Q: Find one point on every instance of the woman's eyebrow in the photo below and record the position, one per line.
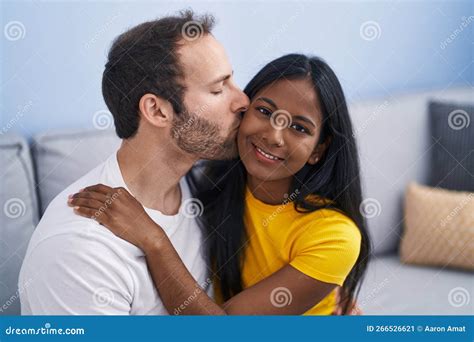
(296, 117)
(305, 119)
(269, 101)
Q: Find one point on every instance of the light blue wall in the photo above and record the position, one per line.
(50, 78)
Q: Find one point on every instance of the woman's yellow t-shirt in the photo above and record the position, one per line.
(323, 244)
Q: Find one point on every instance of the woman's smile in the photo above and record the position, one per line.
(264, 156)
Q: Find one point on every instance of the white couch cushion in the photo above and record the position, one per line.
(18, 216)
(393, 288)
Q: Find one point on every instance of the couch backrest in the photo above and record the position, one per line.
(64, 156)
(395, 146)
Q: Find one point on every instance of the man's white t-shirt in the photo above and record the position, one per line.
(73, 265)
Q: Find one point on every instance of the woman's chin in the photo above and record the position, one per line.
(257, 171)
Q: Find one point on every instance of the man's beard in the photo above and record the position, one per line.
(200, 137)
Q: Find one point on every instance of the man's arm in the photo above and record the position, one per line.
(70, 274)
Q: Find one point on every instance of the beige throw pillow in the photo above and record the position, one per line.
(439, 227)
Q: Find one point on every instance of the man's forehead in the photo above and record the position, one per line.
(204, 58)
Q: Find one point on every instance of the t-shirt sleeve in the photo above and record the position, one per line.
(73, 275)
(327, 249)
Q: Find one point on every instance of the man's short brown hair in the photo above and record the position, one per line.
(143, 60)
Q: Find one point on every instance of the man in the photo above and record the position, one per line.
(169, 86)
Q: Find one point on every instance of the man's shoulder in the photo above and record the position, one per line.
(61, 225)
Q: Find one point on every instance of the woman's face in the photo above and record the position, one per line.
(279, 132)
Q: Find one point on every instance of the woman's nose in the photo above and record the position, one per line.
(274, 137)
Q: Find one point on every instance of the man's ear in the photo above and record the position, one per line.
(156, 110)
(319, 151)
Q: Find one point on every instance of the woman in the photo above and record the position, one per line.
(285, 231)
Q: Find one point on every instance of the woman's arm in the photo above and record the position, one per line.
(285, 292)
(178, 289)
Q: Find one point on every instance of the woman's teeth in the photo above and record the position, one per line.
(269, 156)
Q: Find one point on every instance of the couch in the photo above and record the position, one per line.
(394, 147)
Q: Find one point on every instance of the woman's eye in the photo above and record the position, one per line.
(264, 111)
(299, 128)
(216, 92)
(296, 127)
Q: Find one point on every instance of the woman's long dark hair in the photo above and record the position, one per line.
(220, 185)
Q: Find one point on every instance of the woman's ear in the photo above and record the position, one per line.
(318, 152)
(157, 111)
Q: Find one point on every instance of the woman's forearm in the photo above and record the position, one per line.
(179, 291)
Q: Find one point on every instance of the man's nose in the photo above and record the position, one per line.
(241, 102)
